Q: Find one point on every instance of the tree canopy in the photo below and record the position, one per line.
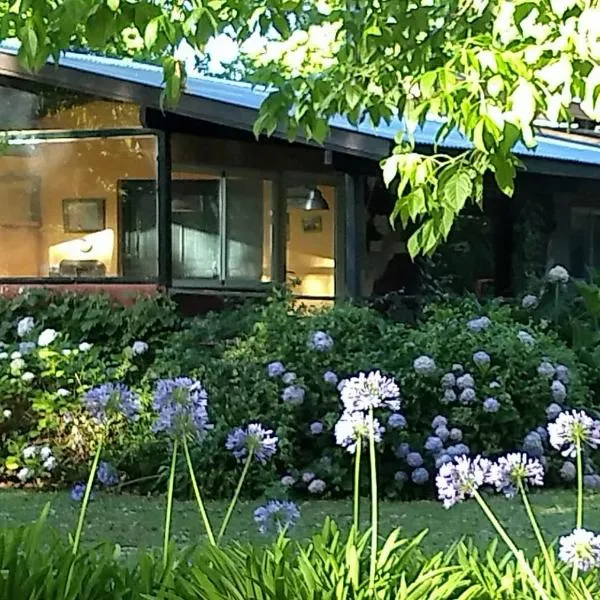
(487, 68)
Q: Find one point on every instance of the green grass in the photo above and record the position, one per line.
(134, 521)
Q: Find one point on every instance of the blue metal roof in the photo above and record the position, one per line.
(244, 95)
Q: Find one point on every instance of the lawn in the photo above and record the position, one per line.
(134, 521)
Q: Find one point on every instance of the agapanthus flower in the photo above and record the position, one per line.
(29, 452)
(580, 549)
(529, 301)
(456, 434)
(107, 475)
(513, 469)
(591, 481)
(308, 476)
(481, 358)
(289, 377)
(320, 341)
(254, 438)
(138, 348)
(78, 491)
(558, 274)
(25, 326)
(420, 476)
(372, 390)
(546, 369)
(424, 365)
(458, 480)
(111, 398)
(414, 460)
(479, 324)
(317, 486)
(448, 380)
(396, 421)
(559, 391)
(293, 394)
(401, 450)
(181, 405)
(465, 381)
(449, 397)
(434, 444)
(571, 428)
(467, 396)
(533, 444)
(287, 481)
(316, 427)
(458, 450)
(439, 421)
(47, 337)
(562, 374)
(275, 369)
(27, 347)
(568, 471)
(23, 474)
(330, 377)
(552, 411)
(526, 338)
(276, 515)
(442, 432)
(354, 426)
(400, 477)
(491, 405)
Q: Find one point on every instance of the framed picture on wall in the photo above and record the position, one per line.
(312, 224)
(83, 215)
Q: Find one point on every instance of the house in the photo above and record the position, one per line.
(99, 188)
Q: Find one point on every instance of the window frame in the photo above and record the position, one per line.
(161, 277)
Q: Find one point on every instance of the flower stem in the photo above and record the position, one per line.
(356, 506)
(556, 300)
(541, 541)
(236, 496)
(169, 510)
(201, 508)
(374, 503)
(86, 496)
(579, 485)
(518, 554)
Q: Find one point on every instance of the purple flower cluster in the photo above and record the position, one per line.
(254, 438)
(320, 341)
(276, 515)
(78, 491)
(107, 475)
(110, 399)
(181, 406)
(479, 324)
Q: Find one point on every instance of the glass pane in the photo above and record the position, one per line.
(70, 208)
(249, 219)
(27, 105)
(311, 245)
(195, 226)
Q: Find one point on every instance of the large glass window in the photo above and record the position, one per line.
(585, 241)
(78, 208)
(26, 105)
(310, 256)
(221, 226)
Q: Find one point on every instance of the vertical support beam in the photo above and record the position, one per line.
(279, 231)
(223, 233)
(339, 241)
(354, 190)
(163, 210)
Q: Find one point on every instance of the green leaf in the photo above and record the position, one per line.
(281, 25)
(113, 4)
(12, 463)
(390, 168)
(151, 33)
(456, 189)
(504, 174)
